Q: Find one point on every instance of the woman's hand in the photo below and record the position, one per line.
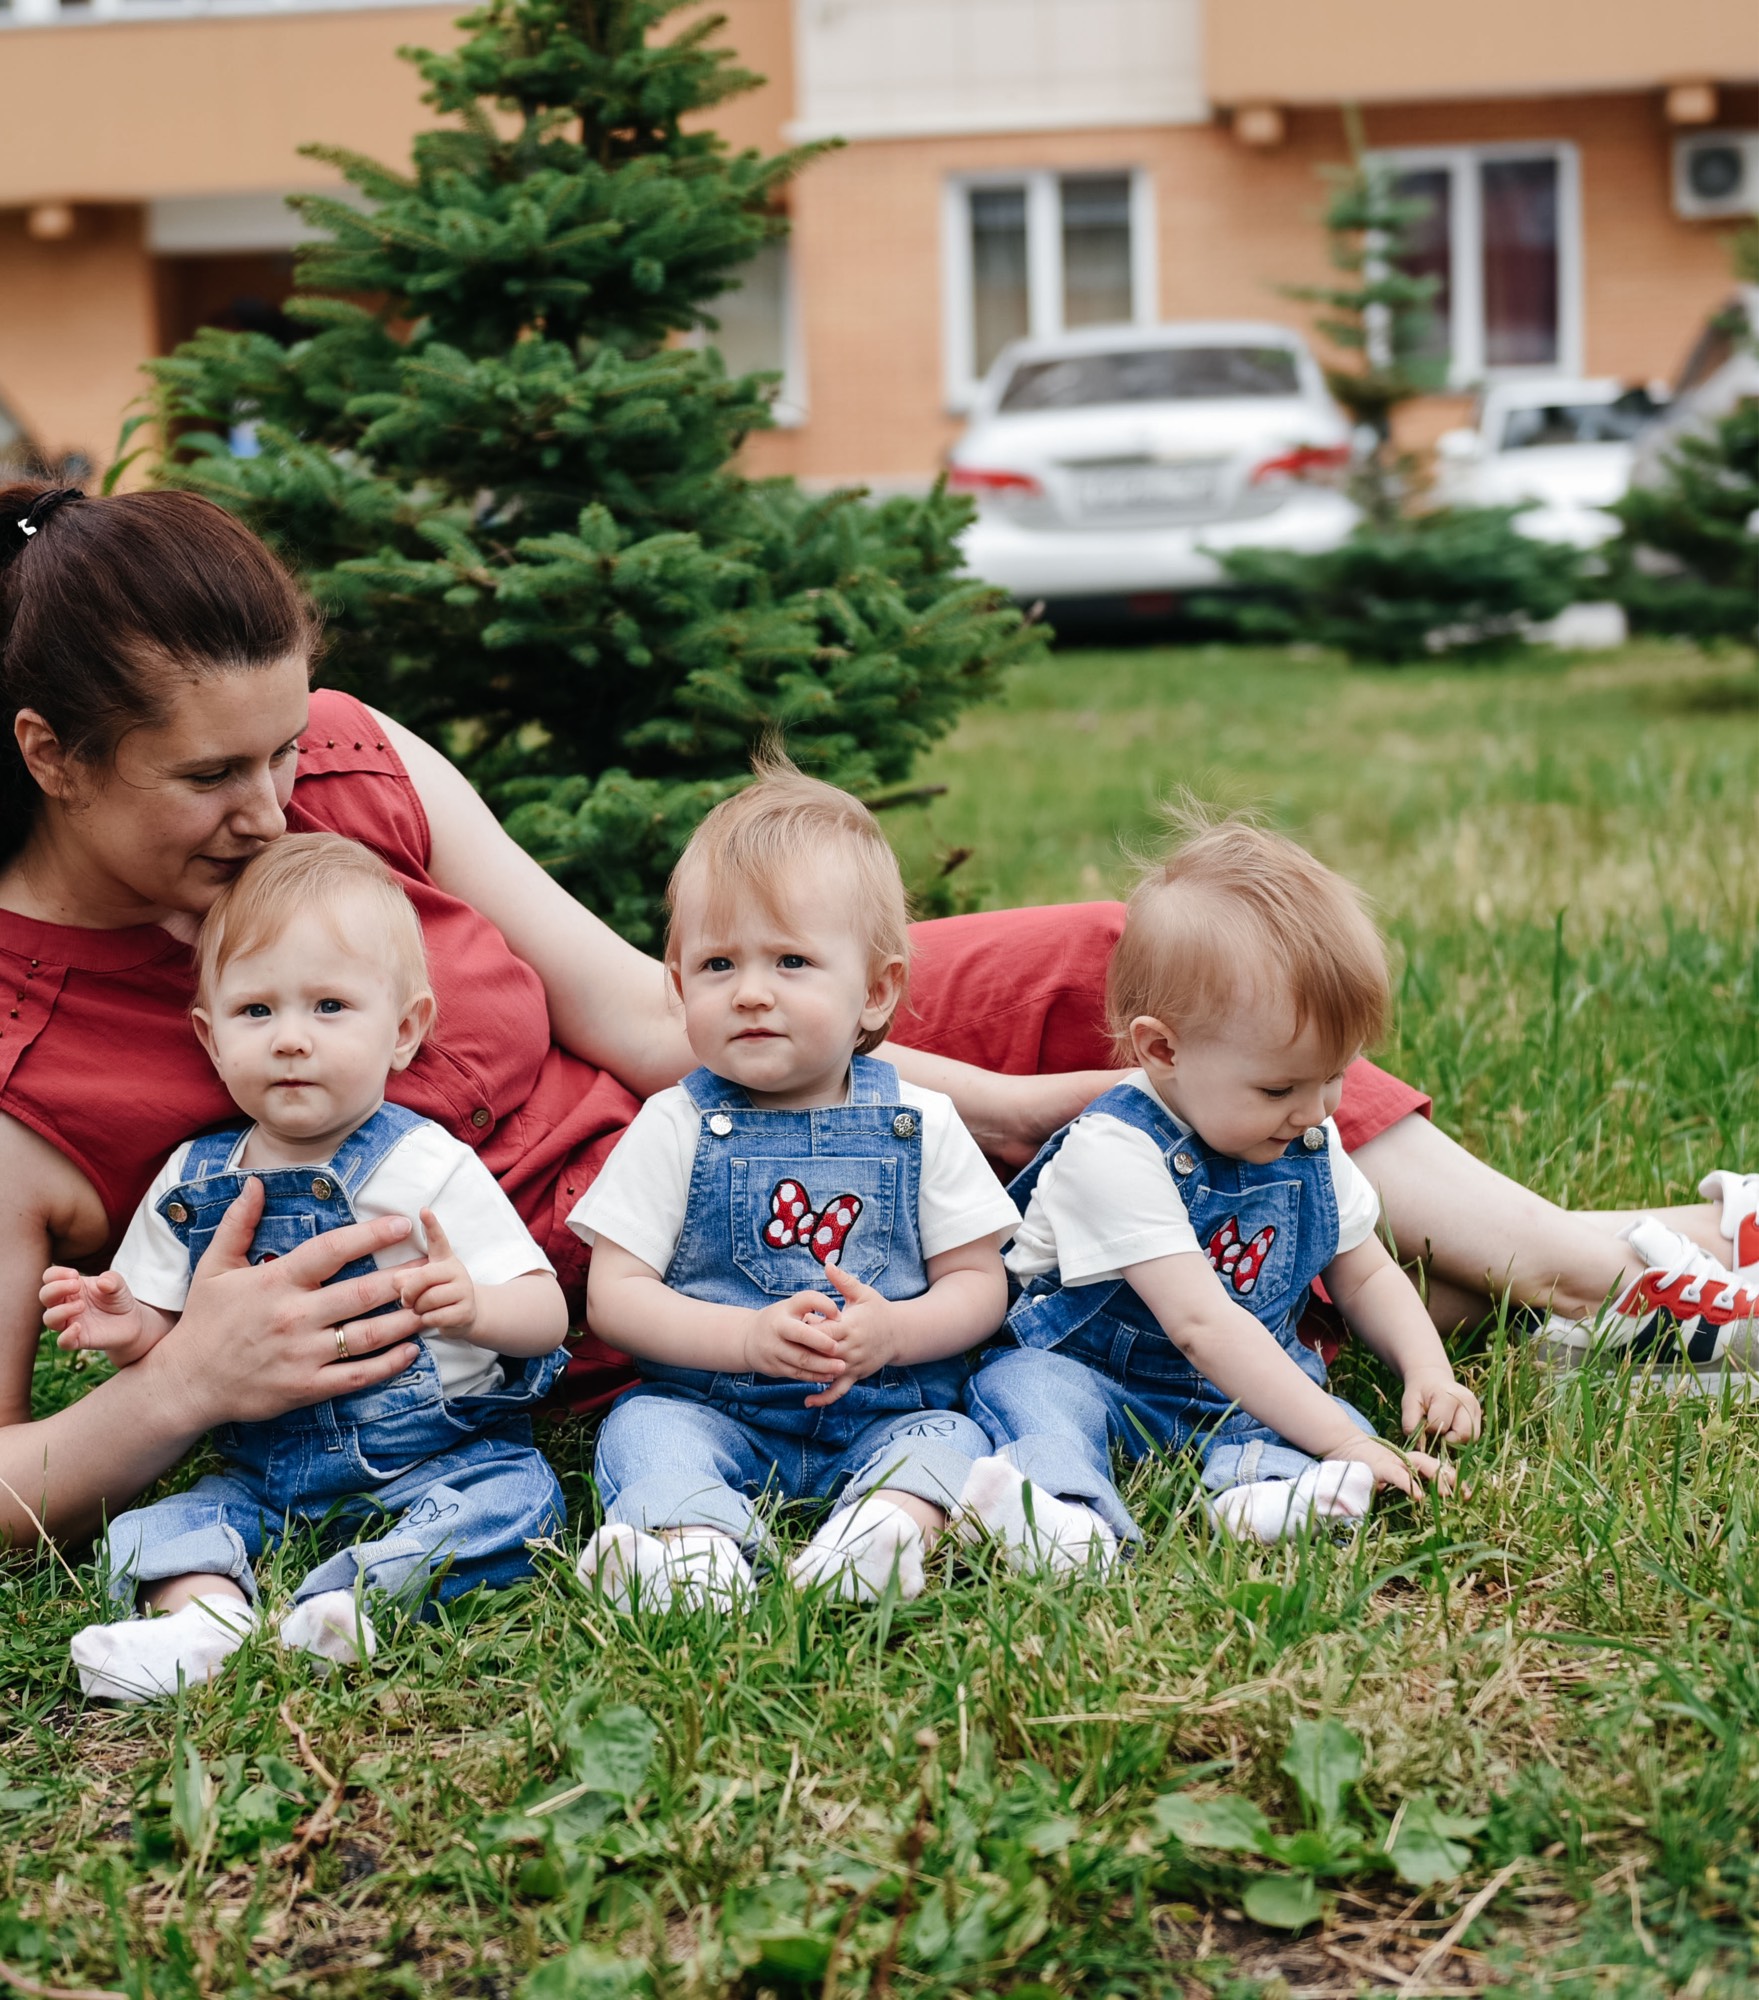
(1010, 1117)
(258, 1340)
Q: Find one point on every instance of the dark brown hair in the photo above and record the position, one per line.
(110, 599)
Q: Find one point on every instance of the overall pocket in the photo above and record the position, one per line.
(1252, 1241)
(792, 1217)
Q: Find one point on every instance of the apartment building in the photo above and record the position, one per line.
(1009, 166)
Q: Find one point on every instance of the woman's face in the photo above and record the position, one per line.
(185, 803)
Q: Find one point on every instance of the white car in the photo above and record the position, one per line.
(1721, 371)
(1112, 463)
(1558, 447)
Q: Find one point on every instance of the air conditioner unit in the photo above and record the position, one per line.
(1716, 173)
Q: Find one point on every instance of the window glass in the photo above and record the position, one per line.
(1000, 309)
(1096, 249)
(1520, 262)
(1577, 423)
(753, 330)
(1429, 249)
(1152, 375)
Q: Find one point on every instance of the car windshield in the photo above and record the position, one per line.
(1576, 423)
(1151, 375)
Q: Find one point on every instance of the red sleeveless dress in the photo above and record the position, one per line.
(97, 1054)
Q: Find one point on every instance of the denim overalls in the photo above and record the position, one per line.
(774, 1196)
(1090, 1366)
(466, 1486)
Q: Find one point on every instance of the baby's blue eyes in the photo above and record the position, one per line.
(256, 1011)
(329, 1006)
(792, 961)
(259, 1010)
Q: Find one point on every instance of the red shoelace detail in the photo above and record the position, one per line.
(1717, 1299)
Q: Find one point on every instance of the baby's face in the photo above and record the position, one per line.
(1251, 1085)
(776, 1001)
(304, 1033)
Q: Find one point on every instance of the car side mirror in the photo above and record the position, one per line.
(1459, 447)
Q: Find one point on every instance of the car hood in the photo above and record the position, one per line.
(1148, 430)
(1581, 475)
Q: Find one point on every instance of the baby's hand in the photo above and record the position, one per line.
(1436, 1403)
(439, 1288)
(95, 1312)
(1406, 1470)
(866, 1331)
(794, 1339)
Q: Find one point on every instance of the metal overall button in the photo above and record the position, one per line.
(321, 1189)
(176, 1212)
(720, 1125)
(904, 1126)
(1313, 1138)
(1183, 1163)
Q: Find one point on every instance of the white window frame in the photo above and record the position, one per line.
(52, 14)
(1044, 261)
(1467, 366)
(788, 407)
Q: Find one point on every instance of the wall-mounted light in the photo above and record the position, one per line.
(1691, 104)
(51, 221)
(1261, 125)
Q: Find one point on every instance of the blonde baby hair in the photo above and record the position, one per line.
(768, 840)
(321, 872)
(1233, 911)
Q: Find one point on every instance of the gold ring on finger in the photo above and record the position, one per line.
(341, 1343)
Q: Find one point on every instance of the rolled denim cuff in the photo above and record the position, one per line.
(133, 1556)
(688, 1500)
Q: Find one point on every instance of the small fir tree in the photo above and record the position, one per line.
(1687, 559)
(1377, 313)
(1408, 583)
(509, 480)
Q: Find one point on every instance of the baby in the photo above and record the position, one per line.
(796, 1247)
(1172, 1232)
(311, 988)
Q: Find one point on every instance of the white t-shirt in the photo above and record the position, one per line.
(1107, 1201)
(640, 1196)
(427, 1168)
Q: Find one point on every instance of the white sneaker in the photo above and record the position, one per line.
(1687, 1317)
(1739, 1196)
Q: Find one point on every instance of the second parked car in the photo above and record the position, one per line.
(1114, 463)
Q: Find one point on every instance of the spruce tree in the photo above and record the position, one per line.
(506, 469)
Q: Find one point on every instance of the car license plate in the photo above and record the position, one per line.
(1144, 489)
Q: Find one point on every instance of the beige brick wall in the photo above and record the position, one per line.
(1232, 224)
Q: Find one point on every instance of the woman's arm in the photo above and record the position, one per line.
(607, 1001)
(253, 1342)
(610, 1003)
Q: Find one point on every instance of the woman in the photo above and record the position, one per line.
(154, 669)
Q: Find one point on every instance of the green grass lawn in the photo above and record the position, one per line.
(1509, 1744)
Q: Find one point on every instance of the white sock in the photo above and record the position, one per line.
(1270, 1510)
(139, 1659)
(859, 1551)
(333, 1626)
(1034, 1529)
(707, 1569)
(635, 1571)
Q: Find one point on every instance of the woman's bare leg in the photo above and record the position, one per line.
(1701, 1222)
(1479, 1232)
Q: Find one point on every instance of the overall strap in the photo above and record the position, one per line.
(872, 1081)
(365, 1149)
(212, 1153)
(709, 1092)
(1143, 1112)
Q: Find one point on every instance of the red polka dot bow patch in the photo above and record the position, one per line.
(1238, 1262)
(793, 1219)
